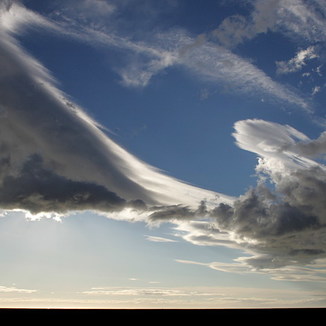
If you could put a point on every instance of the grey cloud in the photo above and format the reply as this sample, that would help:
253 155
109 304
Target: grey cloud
36 118
179 212
283 223
255 216
313 148
237 29
37 189
276 228
303 20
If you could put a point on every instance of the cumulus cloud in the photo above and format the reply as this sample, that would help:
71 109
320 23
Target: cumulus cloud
283 223
280 222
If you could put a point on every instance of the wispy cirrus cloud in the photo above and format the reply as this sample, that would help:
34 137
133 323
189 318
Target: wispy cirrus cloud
159 239
142 59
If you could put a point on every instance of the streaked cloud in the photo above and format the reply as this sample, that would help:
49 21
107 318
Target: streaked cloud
310 273
143 59
13 289
159 239
207 297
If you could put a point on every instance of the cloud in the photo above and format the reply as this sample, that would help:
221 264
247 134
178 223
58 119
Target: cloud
140 59
16 19
159 239
295 64
48 143
303 20
13 289
315 90
236 29
55 158
279 223
310 273
221 66
37 189
296 18
286 223
137 292
207 297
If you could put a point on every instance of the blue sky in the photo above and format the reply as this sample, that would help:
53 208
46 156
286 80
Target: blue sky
162 153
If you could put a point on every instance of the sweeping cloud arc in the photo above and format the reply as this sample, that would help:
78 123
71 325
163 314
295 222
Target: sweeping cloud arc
50 142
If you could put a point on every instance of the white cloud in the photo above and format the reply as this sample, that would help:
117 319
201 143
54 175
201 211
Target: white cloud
159 239
207 297
143 59
304 19
310 273
236 74
6 289
15 18
316 90
136 292
295 64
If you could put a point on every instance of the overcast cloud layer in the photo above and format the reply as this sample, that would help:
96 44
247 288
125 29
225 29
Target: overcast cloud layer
54 158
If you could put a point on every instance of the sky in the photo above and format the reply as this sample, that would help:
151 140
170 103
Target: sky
162 154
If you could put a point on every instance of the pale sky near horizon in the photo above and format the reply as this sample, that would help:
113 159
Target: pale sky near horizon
162 154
